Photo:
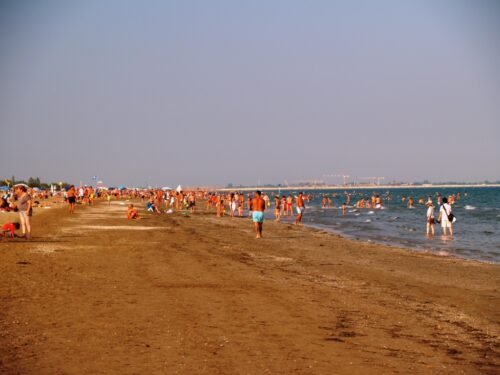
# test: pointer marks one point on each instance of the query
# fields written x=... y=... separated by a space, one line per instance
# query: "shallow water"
x=476 y=232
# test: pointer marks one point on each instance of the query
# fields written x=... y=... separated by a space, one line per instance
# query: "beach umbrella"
x=166 y=188
x=179 y=189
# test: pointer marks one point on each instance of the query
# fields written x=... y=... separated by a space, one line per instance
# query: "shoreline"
x=55 y=205
x=415 y=249
x=94 y=292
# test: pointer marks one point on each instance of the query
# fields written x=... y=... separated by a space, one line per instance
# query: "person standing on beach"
x=277 y=209
x=289 y=205
x=23 y=204
x=241 y=204
x=258 y=206
x=300 y=208
x=444 y=211
x=249 y=205
x=159 y=199
x=72 y=199
x=430 y=218
x=232 y=205
x=267 y=200
x=81 y=193
x=218 y=204
x=283 y=206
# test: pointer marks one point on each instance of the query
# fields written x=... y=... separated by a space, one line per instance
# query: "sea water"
x=476 y=231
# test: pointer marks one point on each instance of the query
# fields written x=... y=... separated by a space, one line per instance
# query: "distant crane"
x=373 y=179
x=344 y=176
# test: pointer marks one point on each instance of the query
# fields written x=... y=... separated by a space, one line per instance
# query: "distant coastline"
x=354 y=187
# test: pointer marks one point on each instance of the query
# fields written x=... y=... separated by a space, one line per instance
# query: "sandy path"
x=174 y=294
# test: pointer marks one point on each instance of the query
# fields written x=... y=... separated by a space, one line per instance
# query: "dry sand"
x=199 y=295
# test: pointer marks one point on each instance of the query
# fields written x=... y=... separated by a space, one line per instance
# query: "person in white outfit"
x=430 y=217
x=444 y=211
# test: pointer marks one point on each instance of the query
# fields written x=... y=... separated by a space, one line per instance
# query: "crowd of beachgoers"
x=22 y=199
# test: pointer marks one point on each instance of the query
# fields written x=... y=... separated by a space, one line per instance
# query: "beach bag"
x=451 y=217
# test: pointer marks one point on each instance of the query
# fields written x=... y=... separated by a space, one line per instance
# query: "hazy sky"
x=212 y=92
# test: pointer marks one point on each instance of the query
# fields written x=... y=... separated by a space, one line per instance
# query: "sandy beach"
x=94 y=293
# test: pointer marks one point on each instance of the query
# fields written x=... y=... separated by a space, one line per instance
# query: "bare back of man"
x=258 y=207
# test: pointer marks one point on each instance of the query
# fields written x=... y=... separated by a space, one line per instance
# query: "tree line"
x=31 y=182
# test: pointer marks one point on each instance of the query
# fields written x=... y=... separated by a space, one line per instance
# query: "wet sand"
x=94 y=293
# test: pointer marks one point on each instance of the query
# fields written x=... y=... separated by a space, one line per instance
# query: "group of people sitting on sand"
x=160 y=201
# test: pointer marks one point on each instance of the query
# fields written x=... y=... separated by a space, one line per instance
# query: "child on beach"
x=9 y=229
x=150 y=206
x=430 y=218
x=132 y=213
